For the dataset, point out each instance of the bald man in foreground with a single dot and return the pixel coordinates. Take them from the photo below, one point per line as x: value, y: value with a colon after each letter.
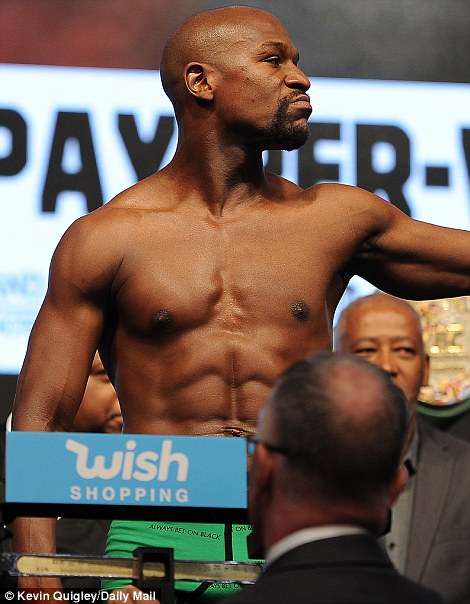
x: 325, y: 467
x: 429, y: 540
x: 202, y: 283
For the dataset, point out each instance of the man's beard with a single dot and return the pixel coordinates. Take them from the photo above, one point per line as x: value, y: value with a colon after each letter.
x: 282, y: 133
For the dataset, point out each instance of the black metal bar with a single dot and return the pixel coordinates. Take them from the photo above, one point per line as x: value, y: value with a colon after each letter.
x: 163, y: 586
x: 9, y: 511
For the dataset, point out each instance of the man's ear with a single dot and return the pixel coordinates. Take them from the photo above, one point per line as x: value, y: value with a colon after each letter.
x: 198, y: 78
x: 399, y: 482
x: 265, y: 469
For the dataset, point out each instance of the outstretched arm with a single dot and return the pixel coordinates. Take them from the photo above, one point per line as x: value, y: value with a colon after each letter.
x: 409, y: 258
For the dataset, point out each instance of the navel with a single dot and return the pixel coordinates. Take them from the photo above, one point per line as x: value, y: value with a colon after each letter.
x: 300, y: 310
x: 233, y: 431
x: 161, y: 320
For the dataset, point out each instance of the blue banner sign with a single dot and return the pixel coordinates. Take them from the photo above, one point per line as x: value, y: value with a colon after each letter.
x: 126, y: 469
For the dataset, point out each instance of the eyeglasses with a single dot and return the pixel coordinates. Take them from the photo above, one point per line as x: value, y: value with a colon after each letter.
x: 252, y: 442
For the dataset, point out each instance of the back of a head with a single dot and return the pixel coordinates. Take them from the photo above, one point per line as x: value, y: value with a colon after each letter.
x: 344, y: 423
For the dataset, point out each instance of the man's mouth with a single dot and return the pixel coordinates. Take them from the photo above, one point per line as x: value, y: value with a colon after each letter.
x: 302, y: 101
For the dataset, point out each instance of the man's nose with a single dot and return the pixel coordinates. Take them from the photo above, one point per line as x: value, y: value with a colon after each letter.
x: 386, y: 360
x: 297, y: 79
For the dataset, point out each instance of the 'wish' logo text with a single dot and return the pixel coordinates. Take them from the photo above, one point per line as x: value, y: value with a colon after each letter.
x: 127, y: 465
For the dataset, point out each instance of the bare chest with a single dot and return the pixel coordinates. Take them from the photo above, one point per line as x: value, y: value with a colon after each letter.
x: 230, y: 275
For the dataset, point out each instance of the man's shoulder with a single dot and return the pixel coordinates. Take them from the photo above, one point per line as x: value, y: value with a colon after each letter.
x: 322, y: 190
x: 446, y: 455
x: 454, y: 445
x: 349, y: 200
x: 121, y: 211
x: 342, y: 584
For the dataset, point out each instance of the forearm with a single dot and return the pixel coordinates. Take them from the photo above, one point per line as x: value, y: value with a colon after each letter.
x: 45, y: 402
x: 56, y: 367
x: 35, y: 536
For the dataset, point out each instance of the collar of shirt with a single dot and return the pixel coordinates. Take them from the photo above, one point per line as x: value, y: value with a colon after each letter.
x: 315, y: 533
x: 411, y: 460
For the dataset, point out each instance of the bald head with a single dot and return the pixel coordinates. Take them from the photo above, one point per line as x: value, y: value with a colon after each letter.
x: 387, y: 332
x: 368, y: 304
x: 207, y: 37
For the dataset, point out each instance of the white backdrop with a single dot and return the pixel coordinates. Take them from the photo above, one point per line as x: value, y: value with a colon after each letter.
x: 36, y: 102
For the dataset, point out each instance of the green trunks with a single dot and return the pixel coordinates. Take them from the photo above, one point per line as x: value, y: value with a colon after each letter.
x: 190, y: 541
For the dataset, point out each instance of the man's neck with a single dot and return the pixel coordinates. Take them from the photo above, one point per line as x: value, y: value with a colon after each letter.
x: 309, y: 534
x: 222, y: 178
x: 286, y: 517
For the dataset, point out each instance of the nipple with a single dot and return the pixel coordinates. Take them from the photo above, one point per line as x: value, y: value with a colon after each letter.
x: 161, y: 319
x: 300, y: 310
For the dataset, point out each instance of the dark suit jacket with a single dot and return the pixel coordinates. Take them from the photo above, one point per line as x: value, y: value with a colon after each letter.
x: 439, y: 545
x: 342, y: 570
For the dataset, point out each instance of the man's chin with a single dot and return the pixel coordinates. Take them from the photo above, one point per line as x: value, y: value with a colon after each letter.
x: 297, y: 138
x: 294, y: 146
x: 290, y: 143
